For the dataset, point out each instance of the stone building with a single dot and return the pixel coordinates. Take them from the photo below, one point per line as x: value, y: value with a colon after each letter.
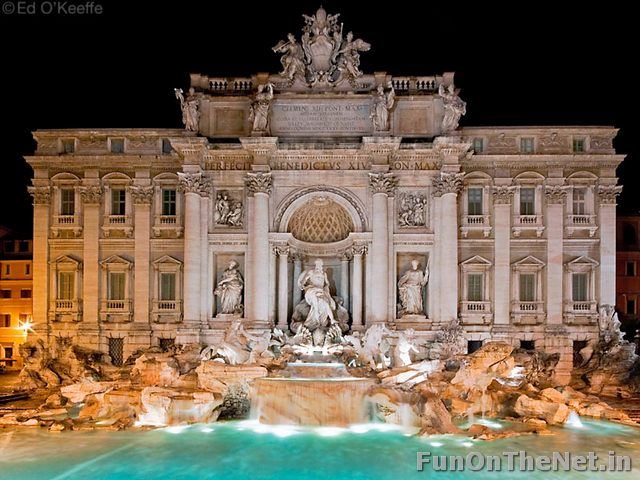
x: 133, y: 229
x: 16, y: 270
x: 628, y: 276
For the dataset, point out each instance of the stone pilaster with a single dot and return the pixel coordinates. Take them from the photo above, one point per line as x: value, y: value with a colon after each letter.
x: 142, y: 197
x: 283, y: 286
x: 41, y: 210
x: 206, y: 287
x: 91, y: 196
x: 607, y: 202
x: 344, y: 278
x: 555, y: 196
x: 382, y: 185
x: 297, y: 270
x: 356, y: 286
x: 259, y: 186
x: 447, y: 186
x: 502, y: 198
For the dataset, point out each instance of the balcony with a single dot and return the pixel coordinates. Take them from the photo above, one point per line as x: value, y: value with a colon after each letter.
x: 527, y: 313
x: 167, y: 225
x: 476, y: 223
x: 475, y: 313
x: 117, y: 225
x: 580, y: 313
x: 526, y: 223
x: 116, y: 310
x: 61, y: 310
x: 167, y: 311
x: 66, y: 223
x: 577, y: 223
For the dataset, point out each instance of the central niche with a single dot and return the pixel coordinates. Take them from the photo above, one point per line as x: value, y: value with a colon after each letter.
x: 320, y: 220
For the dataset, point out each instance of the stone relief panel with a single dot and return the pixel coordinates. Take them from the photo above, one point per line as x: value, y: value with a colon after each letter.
x: 228, y: 208
x: 412, y: 208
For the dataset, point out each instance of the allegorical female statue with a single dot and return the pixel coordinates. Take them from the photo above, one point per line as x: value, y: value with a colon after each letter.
x: 229, y: 289
x: 454, y: 107
x: 410, y: 287
x: 382, y: 103
x: 189, y: 107
x: 259, y: 113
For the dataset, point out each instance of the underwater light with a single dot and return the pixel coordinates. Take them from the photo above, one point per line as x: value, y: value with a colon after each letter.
x: 177, y: 429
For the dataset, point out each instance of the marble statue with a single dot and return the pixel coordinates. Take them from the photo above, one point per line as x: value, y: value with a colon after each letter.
x: 189, y: 107
x: 410, y: 286
x: 412, y: 210
x: 609, y: 325
x: 406, y: 343
x: 372, y: 348
x: 259, y: 111
x: 342, y: 314
x: 292, y: 60
x: 347, y: 57
x: 226, y: 211
x: 454, y: 107
x: 382, y: 103
x: 320, y: 321
x: 229, y: 289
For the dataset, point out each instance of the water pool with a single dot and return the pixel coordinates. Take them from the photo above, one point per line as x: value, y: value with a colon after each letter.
x: 247, y: 450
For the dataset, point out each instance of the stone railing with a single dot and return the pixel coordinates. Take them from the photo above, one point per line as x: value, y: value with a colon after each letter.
x: 474, y: 223
x: 167, y: 223
x: 116, y: 306
x: 65, y: 220
x: 117, y: 219
x: 65, y: 305
x: 415, y: 84
x: 584, y: 220
x: 527, y: 307
x: 578, y: 307
x: 471, y: 308
x: 166, y: 305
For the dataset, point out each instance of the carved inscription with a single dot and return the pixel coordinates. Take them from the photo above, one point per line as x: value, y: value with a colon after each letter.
x: 321, y: 117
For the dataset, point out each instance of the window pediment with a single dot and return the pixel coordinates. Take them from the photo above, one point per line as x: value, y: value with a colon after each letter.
x: 528, y: 263
x: 581, y: 264
x: 116, y: 261
x: 476, y: 262
x: 66, y: 260
x: 167, y: 261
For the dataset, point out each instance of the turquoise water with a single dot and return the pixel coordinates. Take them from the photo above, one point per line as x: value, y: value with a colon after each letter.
x: 246, y: 450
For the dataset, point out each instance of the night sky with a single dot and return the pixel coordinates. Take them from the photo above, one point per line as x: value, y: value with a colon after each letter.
x: 534, y: 64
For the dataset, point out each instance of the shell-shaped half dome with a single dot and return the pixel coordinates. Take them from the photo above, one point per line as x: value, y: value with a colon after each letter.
x: 320, y: 220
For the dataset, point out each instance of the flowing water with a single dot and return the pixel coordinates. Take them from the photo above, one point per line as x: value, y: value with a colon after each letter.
x: 249, y: 450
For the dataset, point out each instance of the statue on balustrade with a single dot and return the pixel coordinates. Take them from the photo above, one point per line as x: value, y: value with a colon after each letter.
x: 189, y: 107
x: 382, y: 103
x: 454, y: 107
x: 411, y: 286
x: 229, y: 289
x: 259, y: 112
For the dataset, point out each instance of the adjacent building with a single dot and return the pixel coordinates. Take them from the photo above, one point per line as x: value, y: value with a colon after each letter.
x: 628, y: 274
x: 134, y: 228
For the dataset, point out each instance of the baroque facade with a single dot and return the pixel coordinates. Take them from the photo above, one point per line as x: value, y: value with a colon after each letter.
x: 510, y: 230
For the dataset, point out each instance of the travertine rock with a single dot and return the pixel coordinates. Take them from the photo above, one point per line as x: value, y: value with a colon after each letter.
x: 552, y: 413
x: 164, y: 406
x: 77, y: 392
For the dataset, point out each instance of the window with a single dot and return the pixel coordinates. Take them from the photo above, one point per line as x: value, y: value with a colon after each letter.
x: 117, y: 145
x: 629, y: 236
x: 118, y: 201
x: 166, y: 146
x: 68, y: 145
x: 116, y: 351
x: 116, y: 286
x: 5, y: 320
x: 8, y: 352
x: 527, y: 201
x: 526, y: 145
x: 65, y: 285
x: 578, y: 145
x: 5, y: 293
x: 24, y: 246
x: 478, y: 144
x: 631, y: 306
x: 474, y: 287
x: 27, y: 269
x: 9, y: 246
x: 579, y: 287
x: 7, y: 269
x: 168, y: 201
x: 579, y: 202
x: 527, y: 345
x: 473, y: 345
x: 630, y: 269
x: 167, y: 286
x: 527, y: 287
x: 25, y: 293
x: 67, y: 201
x: 474, y: 201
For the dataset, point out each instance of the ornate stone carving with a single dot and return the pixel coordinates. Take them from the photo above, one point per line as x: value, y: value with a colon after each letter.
x: 142, y: 195
x: 502, y: 195
x: 90, y: 194
x: 382, y: 183
x: 259, y: 183
x: 410, y: 287
x: 229, y: 289
x: 228, y: 211
x: 194, y: 183
x: 282, y: 250
x: 359, y: 250
x: 555, y: 194
x: 607, y: 193
x: 40, y: 195
x: 346, y: 256
x: 454, y: 107
x: 553, y: 142
x: 447, y: 183
x: 412, y: 210
x: 260, y: 107
x: 320, y: 220
x: 502, y: 141
x: 190, y: 109
x: 383, y: 102
x: 601, y: 142
x: 323, y: 55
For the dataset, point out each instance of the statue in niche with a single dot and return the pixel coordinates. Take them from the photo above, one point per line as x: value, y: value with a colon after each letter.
x: 292, y: 59
x: 382, y: 103
x: 454, y: 107
x: 412, y: 210
x: 189, y: 107
x: 229, y: 289
x: 320, y: 325
x: 226, y: 211
x: 410, y: 286
x: 259, y: 112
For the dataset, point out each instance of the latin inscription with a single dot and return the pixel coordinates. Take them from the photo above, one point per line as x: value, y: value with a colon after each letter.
x: 323, y: 117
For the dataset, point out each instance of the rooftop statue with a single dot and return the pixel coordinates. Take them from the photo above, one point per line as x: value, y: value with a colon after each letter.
x: 454, y: 107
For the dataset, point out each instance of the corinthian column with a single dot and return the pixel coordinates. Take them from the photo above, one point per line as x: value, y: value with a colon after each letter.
x: 297, y: 270
x: 41, y: 203
x: 259, y: 186
x: 344, y: 278
x: 502, y: 197
x: 356, y: 286
x: 607, y: 201
x: 192, y: 184
x: 555, y: 196
x: 382, y: 185
x: 91, y: 196
x: 447, y: 186
x: 283, y: 286
x: 142, y: 197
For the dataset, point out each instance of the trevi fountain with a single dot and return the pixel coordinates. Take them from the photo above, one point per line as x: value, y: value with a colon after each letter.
x: 280, y: 329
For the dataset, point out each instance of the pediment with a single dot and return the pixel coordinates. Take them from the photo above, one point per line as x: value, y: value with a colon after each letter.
x: 529, y: 261
x: 116, y: 260
x: 583, y: 260
x: 66, y: 259
x: 167, y: 259
x: 477, y: 260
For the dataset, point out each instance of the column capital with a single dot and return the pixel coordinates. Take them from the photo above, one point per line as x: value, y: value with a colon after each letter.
x: 40, y: 195
x: 447, y: 183
x: 347, y: 255
x: 258, y: 182
x: 91, y: 194
x: 607, y: 194
x: 359, y: 250
x: 194, y: 183
x: 502, y: 194
x: 382, y: 183
x: 282, y: 250
x: 556, y: 194
x: 142, y: 195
